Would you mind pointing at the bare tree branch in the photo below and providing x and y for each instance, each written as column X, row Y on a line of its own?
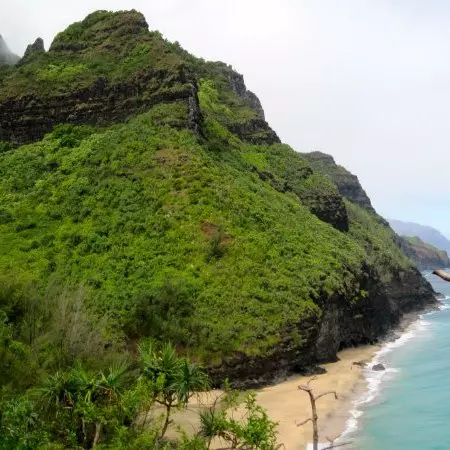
column 327, row 393
column 314, row 417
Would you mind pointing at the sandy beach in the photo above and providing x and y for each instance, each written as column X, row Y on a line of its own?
column 287, row 405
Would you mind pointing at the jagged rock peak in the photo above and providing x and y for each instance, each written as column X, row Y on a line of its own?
column 237, row 84
column 102, row 29
column 35, row 48
column 347, row 183
column 7, row 58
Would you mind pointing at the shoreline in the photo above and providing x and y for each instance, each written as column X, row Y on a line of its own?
column 345, row 421
column 355, row 385
column 287, row 405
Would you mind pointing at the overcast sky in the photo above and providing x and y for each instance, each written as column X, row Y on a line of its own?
column 367, row 81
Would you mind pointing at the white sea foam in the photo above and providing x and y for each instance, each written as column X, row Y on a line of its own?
column 375, row 379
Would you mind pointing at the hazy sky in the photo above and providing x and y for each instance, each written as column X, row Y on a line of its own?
column 367, row 81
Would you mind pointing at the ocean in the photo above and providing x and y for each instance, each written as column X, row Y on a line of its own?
column 407, row 407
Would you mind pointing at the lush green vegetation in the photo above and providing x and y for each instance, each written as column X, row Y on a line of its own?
column 115, row 46
column 115, row 240
column 118, row 408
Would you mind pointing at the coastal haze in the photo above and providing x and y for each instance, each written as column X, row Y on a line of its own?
column 364, row 81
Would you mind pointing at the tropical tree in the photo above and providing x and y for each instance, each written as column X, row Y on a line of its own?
column 174, row 379
column 85, row 402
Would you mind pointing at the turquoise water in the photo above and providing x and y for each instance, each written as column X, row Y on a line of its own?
column 408, row 406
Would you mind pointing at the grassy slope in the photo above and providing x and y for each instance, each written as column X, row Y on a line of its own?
column 174, row 234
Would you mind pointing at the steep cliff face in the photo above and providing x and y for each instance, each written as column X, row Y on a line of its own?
column 28, row 118
column 347, row 183
column 167, row 194
column 425, row 256
column 341, row 325
column 248, row 119
column 99, row 71
column 110, row 67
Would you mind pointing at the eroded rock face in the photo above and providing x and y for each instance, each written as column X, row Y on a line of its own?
column 347, row 183
column 27, row 119
column 341, row 326
column 255, row 131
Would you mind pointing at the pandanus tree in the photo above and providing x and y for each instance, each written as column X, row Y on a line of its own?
column 84, row 401
column 252, row 429
column 174, row 379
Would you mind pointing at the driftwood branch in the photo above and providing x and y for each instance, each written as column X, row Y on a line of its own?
column 442, row 274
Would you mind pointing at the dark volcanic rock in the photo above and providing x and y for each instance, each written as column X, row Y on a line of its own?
column 236, row 82
column 341, row 326
column 362, row 363
column 27, row 119
column 347, row 183
column 378, row 367
column 255, row 131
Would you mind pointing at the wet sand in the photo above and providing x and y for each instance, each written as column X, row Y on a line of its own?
column 288, row 406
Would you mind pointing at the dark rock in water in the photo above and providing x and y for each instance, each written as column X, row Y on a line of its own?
column 378, row 367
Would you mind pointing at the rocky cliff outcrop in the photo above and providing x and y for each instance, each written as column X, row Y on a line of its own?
column 35, row 49
column 347, row 183
column 341, row 326
column 27, row 119
column 249, row 127
column 108, row 68
column 61, row 92
column 425, row 256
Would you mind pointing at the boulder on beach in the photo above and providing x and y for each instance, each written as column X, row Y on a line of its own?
column 378, row 367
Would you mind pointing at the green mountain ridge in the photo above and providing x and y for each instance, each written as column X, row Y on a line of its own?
column 426, row 233
column 426, row 256
column 151, row 178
